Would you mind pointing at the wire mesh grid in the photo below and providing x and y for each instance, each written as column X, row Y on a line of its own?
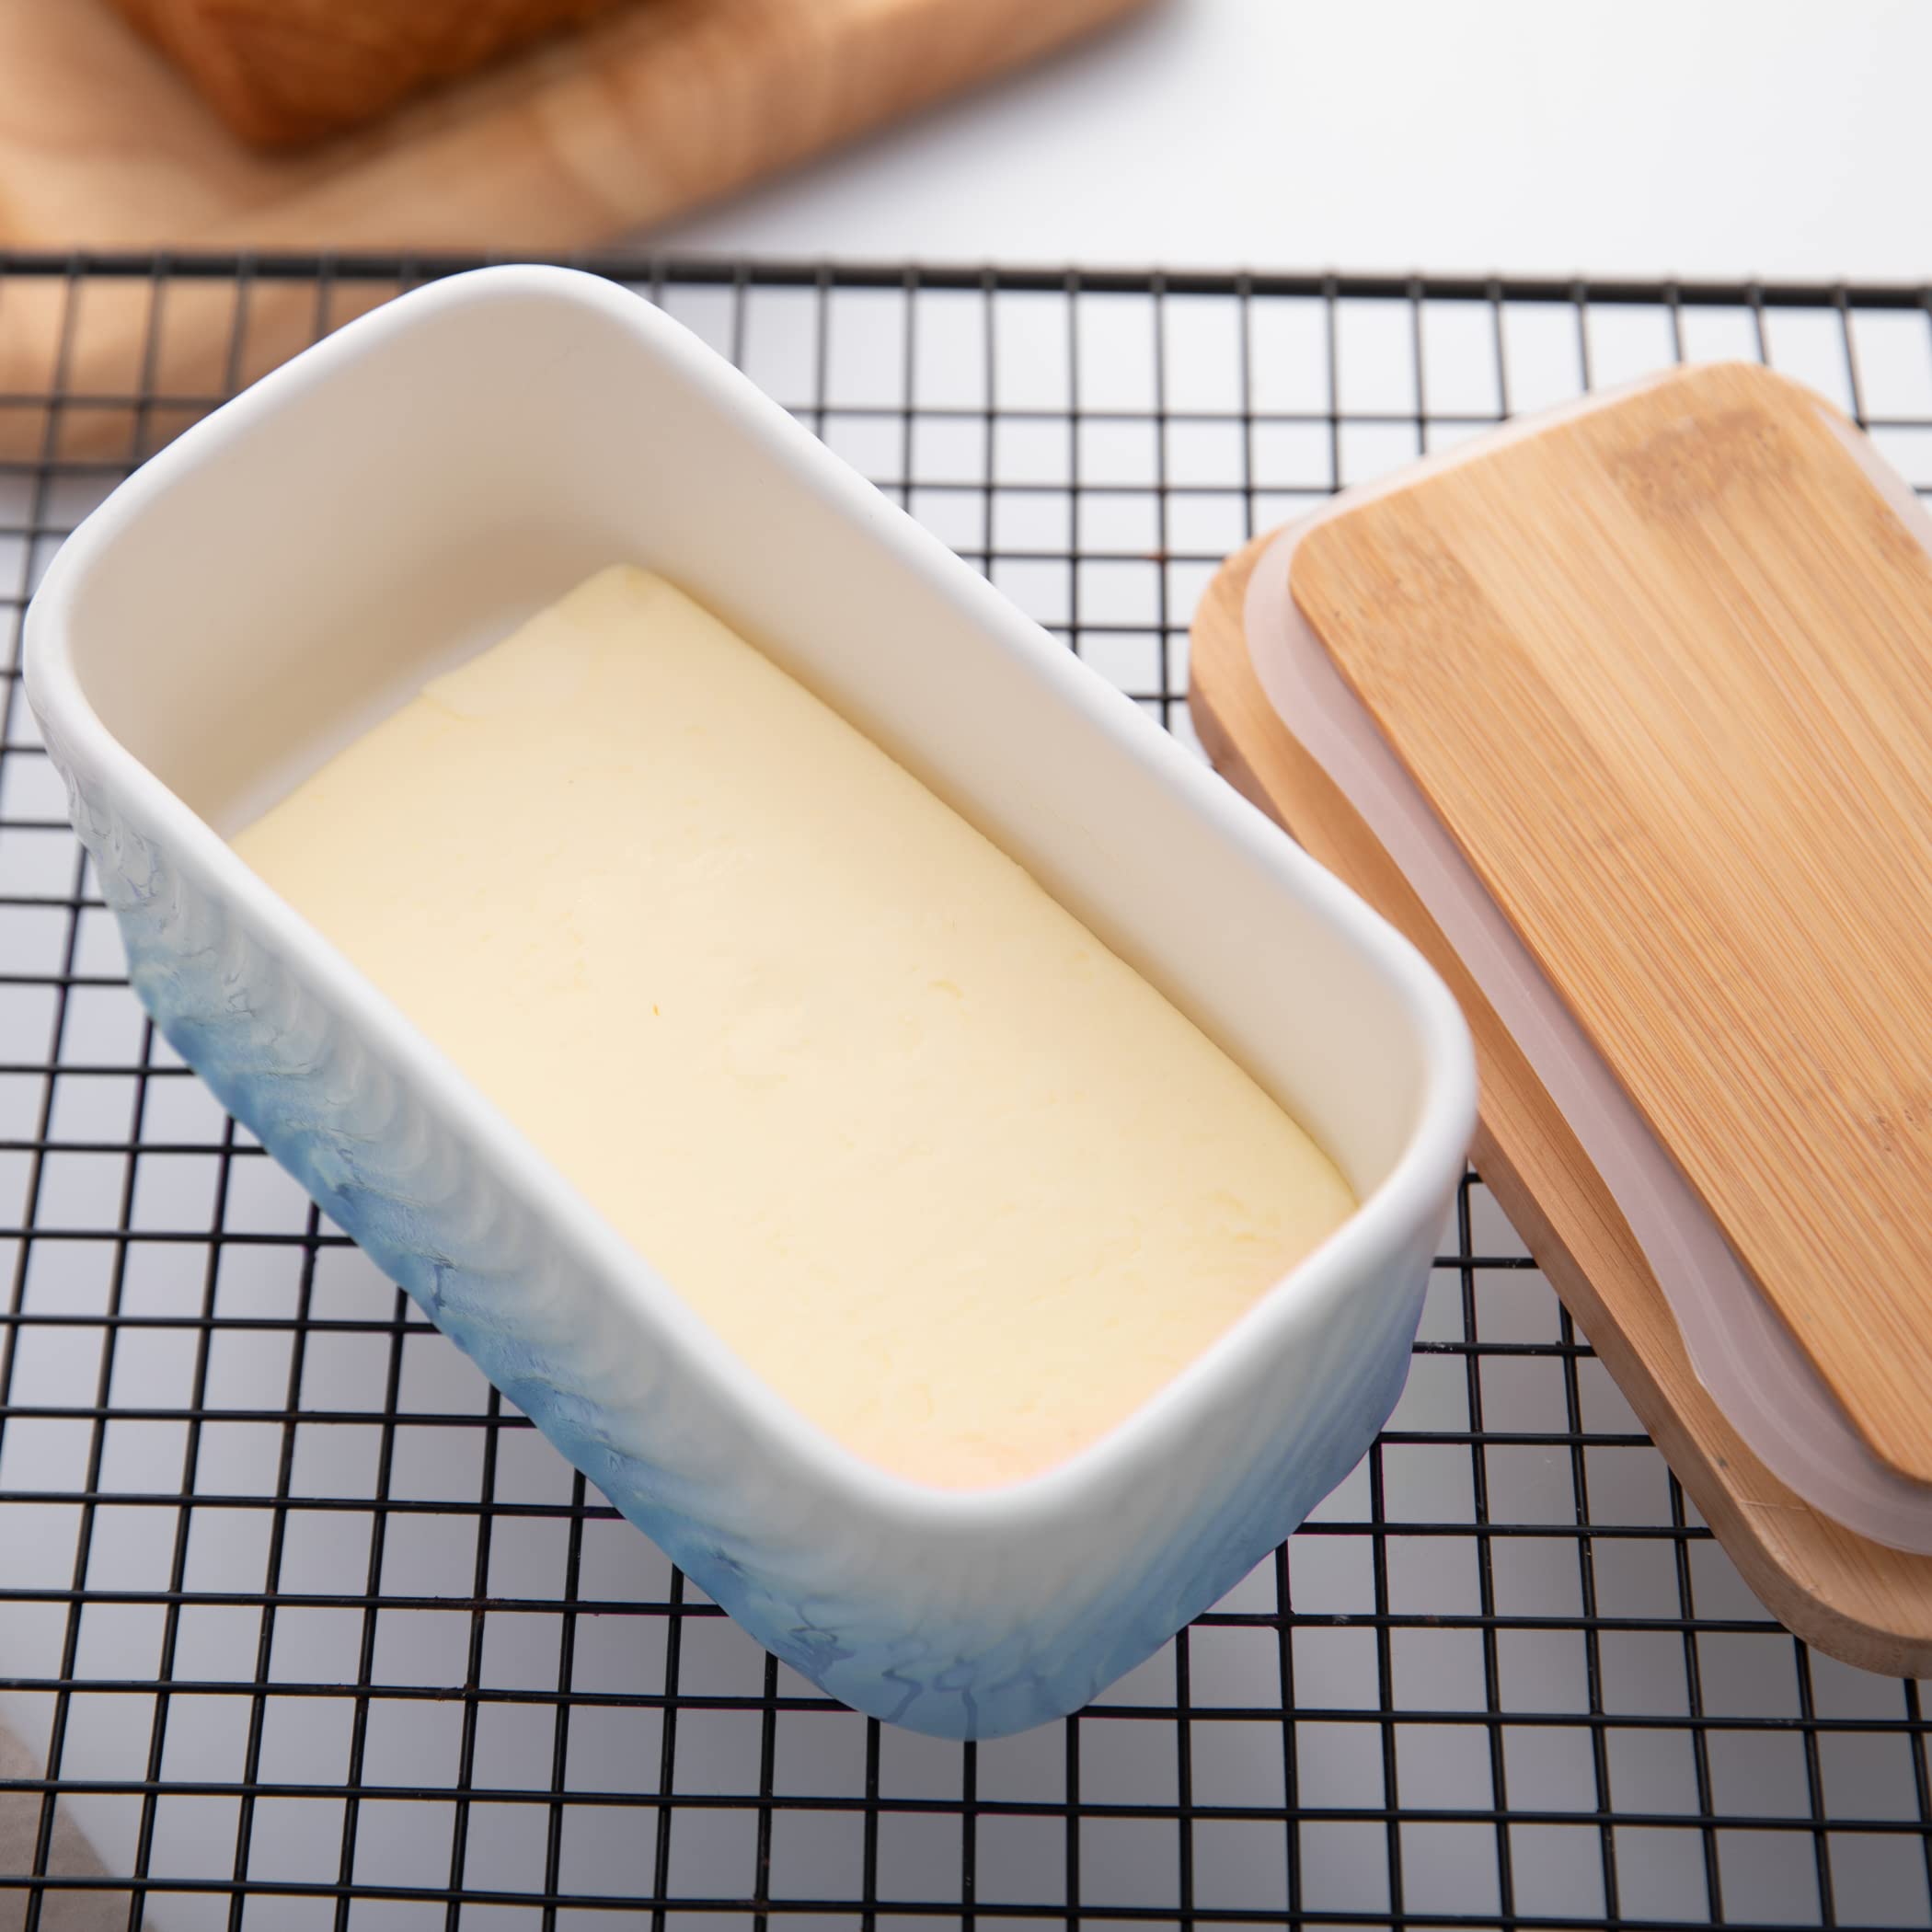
column 301, row 1625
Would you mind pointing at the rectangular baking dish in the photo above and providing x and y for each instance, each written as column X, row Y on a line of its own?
column 403, row 494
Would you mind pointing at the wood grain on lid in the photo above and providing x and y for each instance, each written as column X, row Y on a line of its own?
column 1665, row 673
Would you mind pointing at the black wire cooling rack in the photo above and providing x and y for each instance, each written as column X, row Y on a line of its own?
column 301, row 1625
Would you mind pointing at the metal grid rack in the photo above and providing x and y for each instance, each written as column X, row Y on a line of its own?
column 301, row 1625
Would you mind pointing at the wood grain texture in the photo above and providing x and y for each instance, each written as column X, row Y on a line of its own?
column 639, row 116
column 1869, row 1606
column 1664, row 670
column 281, row 72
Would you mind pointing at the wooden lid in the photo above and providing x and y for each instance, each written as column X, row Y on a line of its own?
column 1664, row 670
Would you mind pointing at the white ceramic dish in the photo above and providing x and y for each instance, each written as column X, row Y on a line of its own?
column 407, row 491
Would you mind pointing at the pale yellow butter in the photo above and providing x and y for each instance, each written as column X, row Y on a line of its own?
column 947, row 1173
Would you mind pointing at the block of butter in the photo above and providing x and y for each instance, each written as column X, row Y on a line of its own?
column 946, row 1172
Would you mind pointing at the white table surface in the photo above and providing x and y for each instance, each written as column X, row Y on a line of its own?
column 1698, row 138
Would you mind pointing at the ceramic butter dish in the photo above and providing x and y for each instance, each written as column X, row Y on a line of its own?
column 405, row 494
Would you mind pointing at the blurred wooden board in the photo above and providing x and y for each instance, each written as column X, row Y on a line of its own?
column 283, row 73
column 1664, row 670
column 1870, row 1606
column 670, row 103
column 104, row 369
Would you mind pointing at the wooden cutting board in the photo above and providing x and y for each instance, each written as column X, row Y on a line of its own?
column 670, row 103
column 1670, row 695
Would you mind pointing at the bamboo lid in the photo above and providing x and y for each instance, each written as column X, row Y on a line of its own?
column 1665, row 672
